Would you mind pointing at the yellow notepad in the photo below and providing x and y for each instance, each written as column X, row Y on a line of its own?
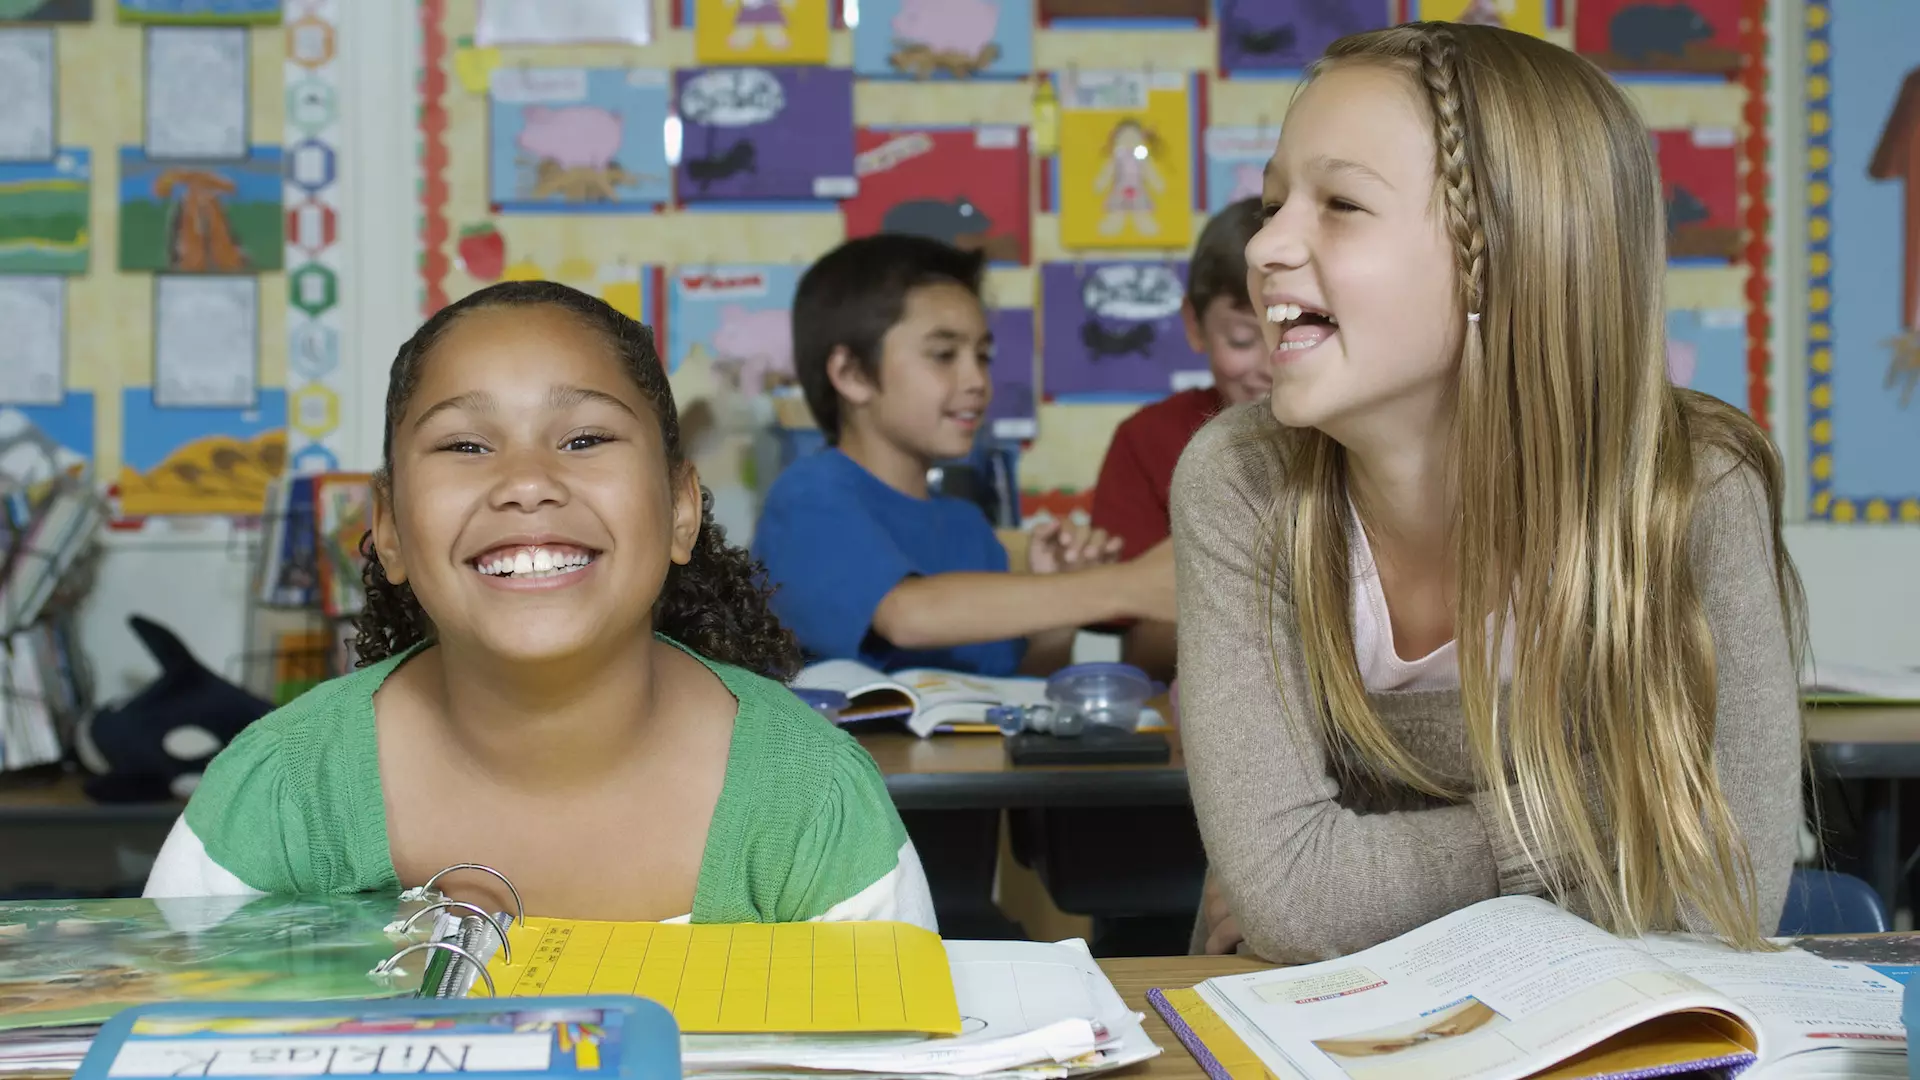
column 741, row 978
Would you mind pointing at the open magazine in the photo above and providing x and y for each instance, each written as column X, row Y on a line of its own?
column 925, row 700
column 1515, row 987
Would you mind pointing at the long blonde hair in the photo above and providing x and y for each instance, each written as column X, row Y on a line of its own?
column 1575, row 483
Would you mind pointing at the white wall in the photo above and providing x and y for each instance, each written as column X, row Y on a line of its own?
column 1863, row 582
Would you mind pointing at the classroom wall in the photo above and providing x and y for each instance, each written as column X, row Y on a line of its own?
column 1860, row 579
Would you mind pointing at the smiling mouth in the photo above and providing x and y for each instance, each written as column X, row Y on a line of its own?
column 1301, row 328
column 543, row 561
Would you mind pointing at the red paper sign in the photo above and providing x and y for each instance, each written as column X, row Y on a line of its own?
column 965, row 186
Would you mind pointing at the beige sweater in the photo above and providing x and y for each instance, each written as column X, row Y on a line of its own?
column 1313, row 872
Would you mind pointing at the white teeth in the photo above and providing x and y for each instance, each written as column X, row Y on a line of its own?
column 533, row 562
column 1286, row 313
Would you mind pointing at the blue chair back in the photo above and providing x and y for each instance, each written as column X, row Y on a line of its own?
column 1823, row 902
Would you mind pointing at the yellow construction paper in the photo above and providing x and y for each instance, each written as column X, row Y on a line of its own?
column 744, row 978
column 1126, row 160
column 1525, row 16
column 761, row 31
column 473, row 65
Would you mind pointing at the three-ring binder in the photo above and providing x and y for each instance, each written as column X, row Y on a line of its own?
column 461, row 944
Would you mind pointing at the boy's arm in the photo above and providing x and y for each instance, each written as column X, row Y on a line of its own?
column 941, row 610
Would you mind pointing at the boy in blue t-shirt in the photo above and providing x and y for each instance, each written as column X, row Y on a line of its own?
column 891, row 347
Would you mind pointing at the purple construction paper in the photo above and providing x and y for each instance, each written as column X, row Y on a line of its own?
column 764, row 134
column 1287, row 35
column 1011, row 416
column 1111, row 331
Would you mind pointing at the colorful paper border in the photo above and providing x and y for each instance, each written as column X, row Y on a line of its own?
column 311, row 201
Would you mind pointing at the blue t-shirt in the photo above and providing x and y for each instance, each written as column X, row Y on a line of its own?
column 836, row 539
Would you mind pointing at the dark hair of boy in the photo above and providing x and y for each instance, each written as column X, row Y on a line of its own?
column 1218, row 266
column 715, row 605
column 854, row 294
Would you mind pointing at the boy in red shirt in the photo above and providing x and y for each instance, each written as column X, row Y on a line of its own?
column 1130, row 498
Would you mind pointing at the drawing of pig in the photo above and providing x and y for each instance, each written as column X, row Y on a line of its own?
column 1639, row 32
column 947, row 26
column 757, row 344
column 1683, row 357
column 573, row 136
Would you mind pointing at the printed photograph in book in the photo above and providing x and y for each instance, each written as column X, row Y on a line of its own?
column 765, row 134
column 1525, row 16
column 944, row 39
column 1013, row 413
column 1700, row 180
column 1236, row 163
column 40, row 442
column 200, row 12
column 203, row 217
column 761, row 31
column 1147, row 12
column 1707, row 351
column 577, row 140
column 77, row 11
column 1683, row 37
column 1111, row 331
column 44, row 214
column 962, row 186
column 1863, row 204
column 735, row 321
column 199, row 460
column 1125, row 175
column 1267, row 36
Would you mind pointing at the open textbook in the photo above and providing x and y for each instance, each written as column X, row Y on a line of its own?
column 1516, row 987
column 929, row 701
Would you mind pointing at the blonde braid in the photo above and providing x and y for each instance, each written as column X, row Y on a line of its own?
column 1439, row 69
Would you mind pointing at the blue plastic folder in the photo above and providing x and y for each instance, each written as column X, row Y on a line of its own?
column 603, row 1036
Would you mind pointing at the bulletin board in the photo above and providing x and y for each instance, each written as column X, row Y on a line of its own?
column 144, row 261
column 1205, row 98
column 1863, row 256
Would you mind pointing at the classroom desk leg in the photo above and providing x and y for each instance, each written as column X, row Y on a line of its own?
column 1884, row 857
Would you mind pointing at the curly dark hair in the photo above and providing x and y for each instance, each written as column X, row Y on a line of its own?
column 716, row 604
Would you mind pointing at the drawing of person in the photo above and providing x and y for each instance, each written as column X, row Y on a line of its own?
column 1129, row 179
column 766, row 19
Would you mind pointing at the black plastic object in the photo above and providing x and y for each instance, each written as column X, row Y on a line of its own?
column 1098, row 746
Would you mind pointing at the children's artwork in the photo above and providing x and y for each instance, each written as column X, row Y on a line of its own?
column 206, row 341
column 1707, row 351
column 33, row 348
column 1675, row 37
column 761, row 31
column 201, row 12
column 944, row 39
column 197, row 93
column 343, row 515
column 737, row 319
column 577, row 140
column 1863, row 234
column 1015, row 406
column 202, row 218
column 1142, row 13
column 1259, row 37
column 44, row 213
column 1700, row 180
column 577, row 22
column 1126, row 160
column 40, row 442
column 199, row 461
column 47, row 11
column 1111, row 331
column 963, row 186
column 27, row 79
column 1236, row 163
column 638, row 292
column 765, row 134
column 1524, row 16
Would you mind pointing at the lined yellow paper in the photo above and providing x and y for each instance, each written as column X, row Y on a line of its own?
column 744, row 978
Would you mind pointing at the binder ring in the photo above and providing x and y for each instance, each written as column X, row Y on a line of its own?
column 520, row 912
column 506, row 951
column 386, row 967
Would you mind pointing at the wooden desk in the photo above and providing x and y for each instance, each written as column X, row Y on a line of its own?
column 1133, row 978
column 971, row 772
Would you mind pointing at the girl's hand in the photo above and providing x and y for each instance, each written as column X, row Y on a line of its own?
column 1223, row 930
column 1056, row 547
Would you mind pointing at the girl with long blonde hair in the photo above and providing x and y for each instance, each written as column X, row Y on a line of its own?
column 1479, row 603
